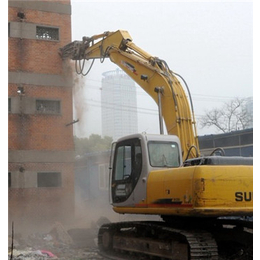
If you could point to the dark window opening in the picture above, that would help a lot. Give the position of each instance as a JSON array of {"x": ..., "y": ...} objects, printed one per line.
[
  {"x": 9, "y": 105},
  {"x": 48, "y": 179},
  {"x": 48, "y": 106},
  {"x": 8, "y": 29},
  {"x": 126, "y": 169},
  {"x": 9, "y": 179},
  {"x": 47, "y": 33}
]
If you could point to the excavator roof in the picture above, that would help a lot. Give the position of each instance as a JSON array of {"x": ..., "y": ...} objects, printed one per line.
[{"x": 150, "y": 137}]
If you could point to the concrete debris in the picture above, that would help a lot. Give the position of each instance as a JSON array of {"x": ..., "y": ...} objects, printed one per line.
[
  {"x": 87, "y": 237},
  {"x": 31, "y": 255},
  {"x": 59, "y": 243},
  {"x": 60, "y": 235}
]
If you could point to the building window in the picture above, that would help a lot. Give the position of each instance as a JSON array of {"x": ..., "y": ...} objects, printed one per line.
[
  {"x": 8, "y": 29},
  {"x": 103, "y": 176},
  {"x": 9, "y": 179},
  {"x": 48, "y": 106},
  {"x": 48, "y": 179},
  {"x": 47, "y": 33},
  {"x": 9, "y": 105}
]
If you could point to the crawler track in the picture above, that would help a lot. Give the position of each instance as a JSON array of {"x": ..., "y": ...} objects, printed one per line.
[
  {"x": 155, "y": 239},
  {"x": 221, "y": 239}
]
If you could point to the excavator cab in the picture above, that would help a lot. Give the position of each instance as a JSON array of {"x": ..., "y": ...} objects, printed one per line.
[{"x": 133, "y": 157}]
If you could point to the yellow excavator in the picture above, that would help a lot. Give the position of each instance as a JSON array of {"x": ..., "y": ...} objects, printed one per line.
[{"x": 205, "y": 202}]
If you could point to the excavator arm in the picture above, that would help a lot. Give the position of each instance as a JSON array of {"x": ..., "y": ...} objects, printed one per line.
[{"x": 150, "y": 73}]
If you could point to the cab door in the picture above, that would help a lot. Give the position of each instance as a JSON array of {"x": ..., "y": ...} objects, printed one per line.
[{"x": 126, "y": 170}]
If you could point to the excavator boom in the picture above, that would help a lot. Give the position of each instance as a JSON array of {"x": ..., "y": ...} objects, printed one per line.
[{"x": 150, "y": 73}]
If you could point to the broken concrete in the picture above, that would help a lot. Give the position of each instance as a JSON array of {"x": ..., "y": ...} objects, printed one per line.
[{"x": 59, "y": 243}]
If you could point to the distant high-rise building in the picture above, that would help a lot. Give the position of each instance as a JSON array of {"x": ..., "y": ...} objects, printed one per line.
[{"x": 119, "y": 104}]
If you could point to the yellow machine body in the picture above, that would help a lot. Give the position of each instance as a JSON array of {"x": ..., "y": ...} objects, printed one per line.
[{"x": 198, "y": 191}]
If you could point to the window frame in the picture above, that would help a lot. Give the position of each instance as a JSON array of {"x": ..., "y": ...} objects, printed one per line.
[
  {"x": 42, "y": 27},
  {"x": 48, "y": 111},
  {"x": 9, "y": 105},
  {"x": 103, "y": 170},
  {"x": 9, "y": 179},
  {"x": 123, "y": 184}
]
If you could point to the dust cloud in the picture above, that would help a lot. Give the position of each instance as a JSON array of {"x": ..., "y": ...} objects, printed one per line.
[
  {"x": 73, "y": 216},
  {"x": 79, "y": 105}
]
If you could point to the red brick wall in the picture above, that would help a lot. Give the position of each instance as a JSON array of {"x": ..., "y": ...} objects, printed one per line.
[
  {"x": 34, "y": 207},
  {"x": 39, "y": 56},
  {"x": 42, "y": 132}
]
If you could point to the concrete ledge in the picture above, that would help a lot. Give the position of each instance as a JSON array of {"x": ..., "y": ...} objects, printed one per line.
[
  {"x": 50, "y": 6},
  {"x": 34, "y": 156},
  {"x": 39, "y": 79},
  {"x": 22, "y": 30}
]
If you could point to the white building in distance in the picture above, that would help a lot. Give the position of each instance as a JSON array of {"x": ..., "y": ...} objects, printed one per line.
[{"x": 119, "y": 105}]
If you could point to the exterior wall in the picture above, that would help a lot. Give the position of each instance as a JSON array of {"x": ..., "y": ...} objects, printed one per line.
[{"x": 39, "y": 140}]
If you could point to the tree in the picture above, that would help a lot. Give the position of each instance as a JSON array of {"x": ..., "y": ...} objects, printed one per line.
[
  {"x": 233, "y": 116},
  {"x": 94, "y": 143}
]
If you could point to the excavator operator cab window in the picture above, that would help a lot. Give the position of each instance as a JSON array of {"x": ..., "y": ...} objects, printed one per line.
[
  {"x": 127, "y": 168},
  {"x": 164, "y": 154}
]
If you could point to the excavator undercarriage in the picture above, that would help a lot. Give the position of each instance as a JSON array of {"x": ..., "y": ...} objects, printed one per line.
[{"x": 197, "y": 239}]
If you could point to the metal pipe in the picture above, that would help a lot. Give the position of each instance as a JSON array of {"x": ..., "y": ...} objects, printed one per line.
[
  {"x": 73, "y": 122},
  {"x": 159, "y": 91}
]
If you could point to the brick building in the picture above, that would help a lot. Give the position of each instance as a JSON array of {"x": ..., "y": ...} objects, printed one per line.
[{"x": 40, "y": 136}]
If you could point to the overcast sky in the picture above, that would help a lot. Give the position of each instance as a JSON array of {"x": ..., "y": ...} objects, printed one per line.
[{"x": 209, "y": 43}]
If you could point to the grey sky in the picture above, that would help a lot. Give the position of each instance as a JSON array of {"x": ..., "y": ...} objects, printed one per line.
[{"x": 209, "y": 43}]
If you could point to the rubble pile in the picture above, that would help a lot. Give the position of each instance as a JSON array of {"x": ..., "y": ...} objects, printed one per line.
[{"x": 58, "y": 243}]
